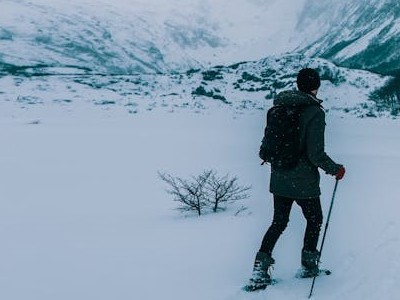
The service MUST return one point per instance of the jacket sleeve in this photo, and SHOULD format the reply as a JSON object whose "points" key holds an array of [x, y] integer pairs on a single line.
{"points": [[315, 144]]}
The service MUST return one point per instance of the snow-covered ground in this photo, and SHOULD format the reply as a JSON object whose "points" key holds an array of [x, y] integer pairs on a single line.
{"points": [[83, 214]]}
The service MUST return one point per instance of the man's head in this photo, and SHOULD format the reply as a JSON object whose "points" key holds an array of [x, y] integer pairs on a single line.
{"points": [[308, 80]]}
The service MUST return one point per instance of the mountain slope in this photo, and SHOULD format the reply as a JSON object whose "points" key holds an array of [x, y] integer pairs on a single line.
{"points": [[136, 36], [358, 34], [82, 35]]}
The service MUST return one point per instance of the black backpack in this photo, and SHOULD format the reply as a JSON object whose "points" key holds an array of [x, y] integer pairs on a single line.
{"points": [[280, 145]]}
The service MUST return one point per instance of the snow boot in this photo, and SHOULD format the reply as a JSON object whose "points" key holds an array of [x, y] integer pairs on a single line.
{"points": [[261, 277], [309, 262]]}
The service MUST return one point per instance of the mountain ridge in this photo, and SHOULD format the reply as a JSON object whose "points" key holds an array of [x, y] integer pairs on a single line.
{"points": [[135, 36], [360, 35]]}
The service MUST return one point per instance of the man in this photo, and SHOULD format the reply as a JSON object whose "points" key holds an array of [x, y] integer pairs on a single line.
{"points": [[299, 184]]}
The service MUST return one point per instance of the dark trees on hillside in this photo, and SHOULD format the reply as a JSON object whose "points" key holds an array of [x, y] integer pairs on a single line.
{"points": [[388, 97]]}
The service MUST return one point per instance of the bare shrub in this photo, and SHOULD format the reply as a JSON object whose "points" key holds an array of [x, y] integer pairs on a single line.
{"points": [[189, 193], [222, 190], [205, 191]]}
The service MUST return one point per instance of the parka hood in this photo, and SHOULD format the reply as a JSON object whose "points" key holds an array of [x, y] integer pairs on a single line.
{"points": [[296, 98]]}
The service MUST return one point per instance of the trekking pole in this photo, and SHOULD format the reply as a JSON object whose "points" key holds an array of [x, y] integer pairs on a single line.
{"points": [[323, 238]]}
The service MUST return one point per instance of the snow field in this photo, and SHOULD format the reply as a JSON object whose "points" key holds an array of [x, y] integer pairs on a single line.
{"points": [[84, 216]]}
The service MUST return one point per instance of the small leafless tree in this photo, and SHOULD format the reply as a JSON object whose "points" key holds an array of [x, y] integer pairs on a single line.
{"points": [[190, 193], [224, 189], [205, 190]]}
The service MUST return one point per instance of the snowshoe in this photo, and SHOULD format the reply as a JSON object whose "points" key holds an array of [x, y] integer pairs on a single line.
{"points": [[310, 273], [254, 286], [260, 278]]}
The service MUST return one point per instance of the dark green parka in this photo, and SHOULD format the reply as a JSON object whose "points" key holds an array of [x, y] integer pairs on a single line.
{"points": [[303, 180]]}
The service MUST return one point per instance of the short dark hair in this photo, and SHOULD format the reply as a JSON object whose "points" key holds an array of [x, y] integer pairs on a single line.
{"points": [[308, 80]]}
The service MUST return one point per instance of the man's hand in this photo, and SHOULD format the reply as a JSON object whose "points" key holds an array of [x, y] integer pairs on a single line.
{"points": [[340, 173]]}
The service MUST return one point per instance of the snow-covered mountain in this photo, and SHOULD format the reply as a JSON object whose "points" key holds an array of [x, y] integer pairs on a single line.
{"points": [[183, 40], [363, 34], [137, 36]]}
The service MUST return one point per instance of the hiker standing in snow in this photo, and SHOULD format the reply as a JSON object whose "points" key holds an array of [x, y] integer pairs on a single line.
{"points": [[298, 183]]}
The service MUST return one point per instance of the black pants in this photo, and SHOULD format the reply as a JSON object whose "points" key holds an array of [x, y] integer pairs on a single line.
{"points": [[312, 212]]}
